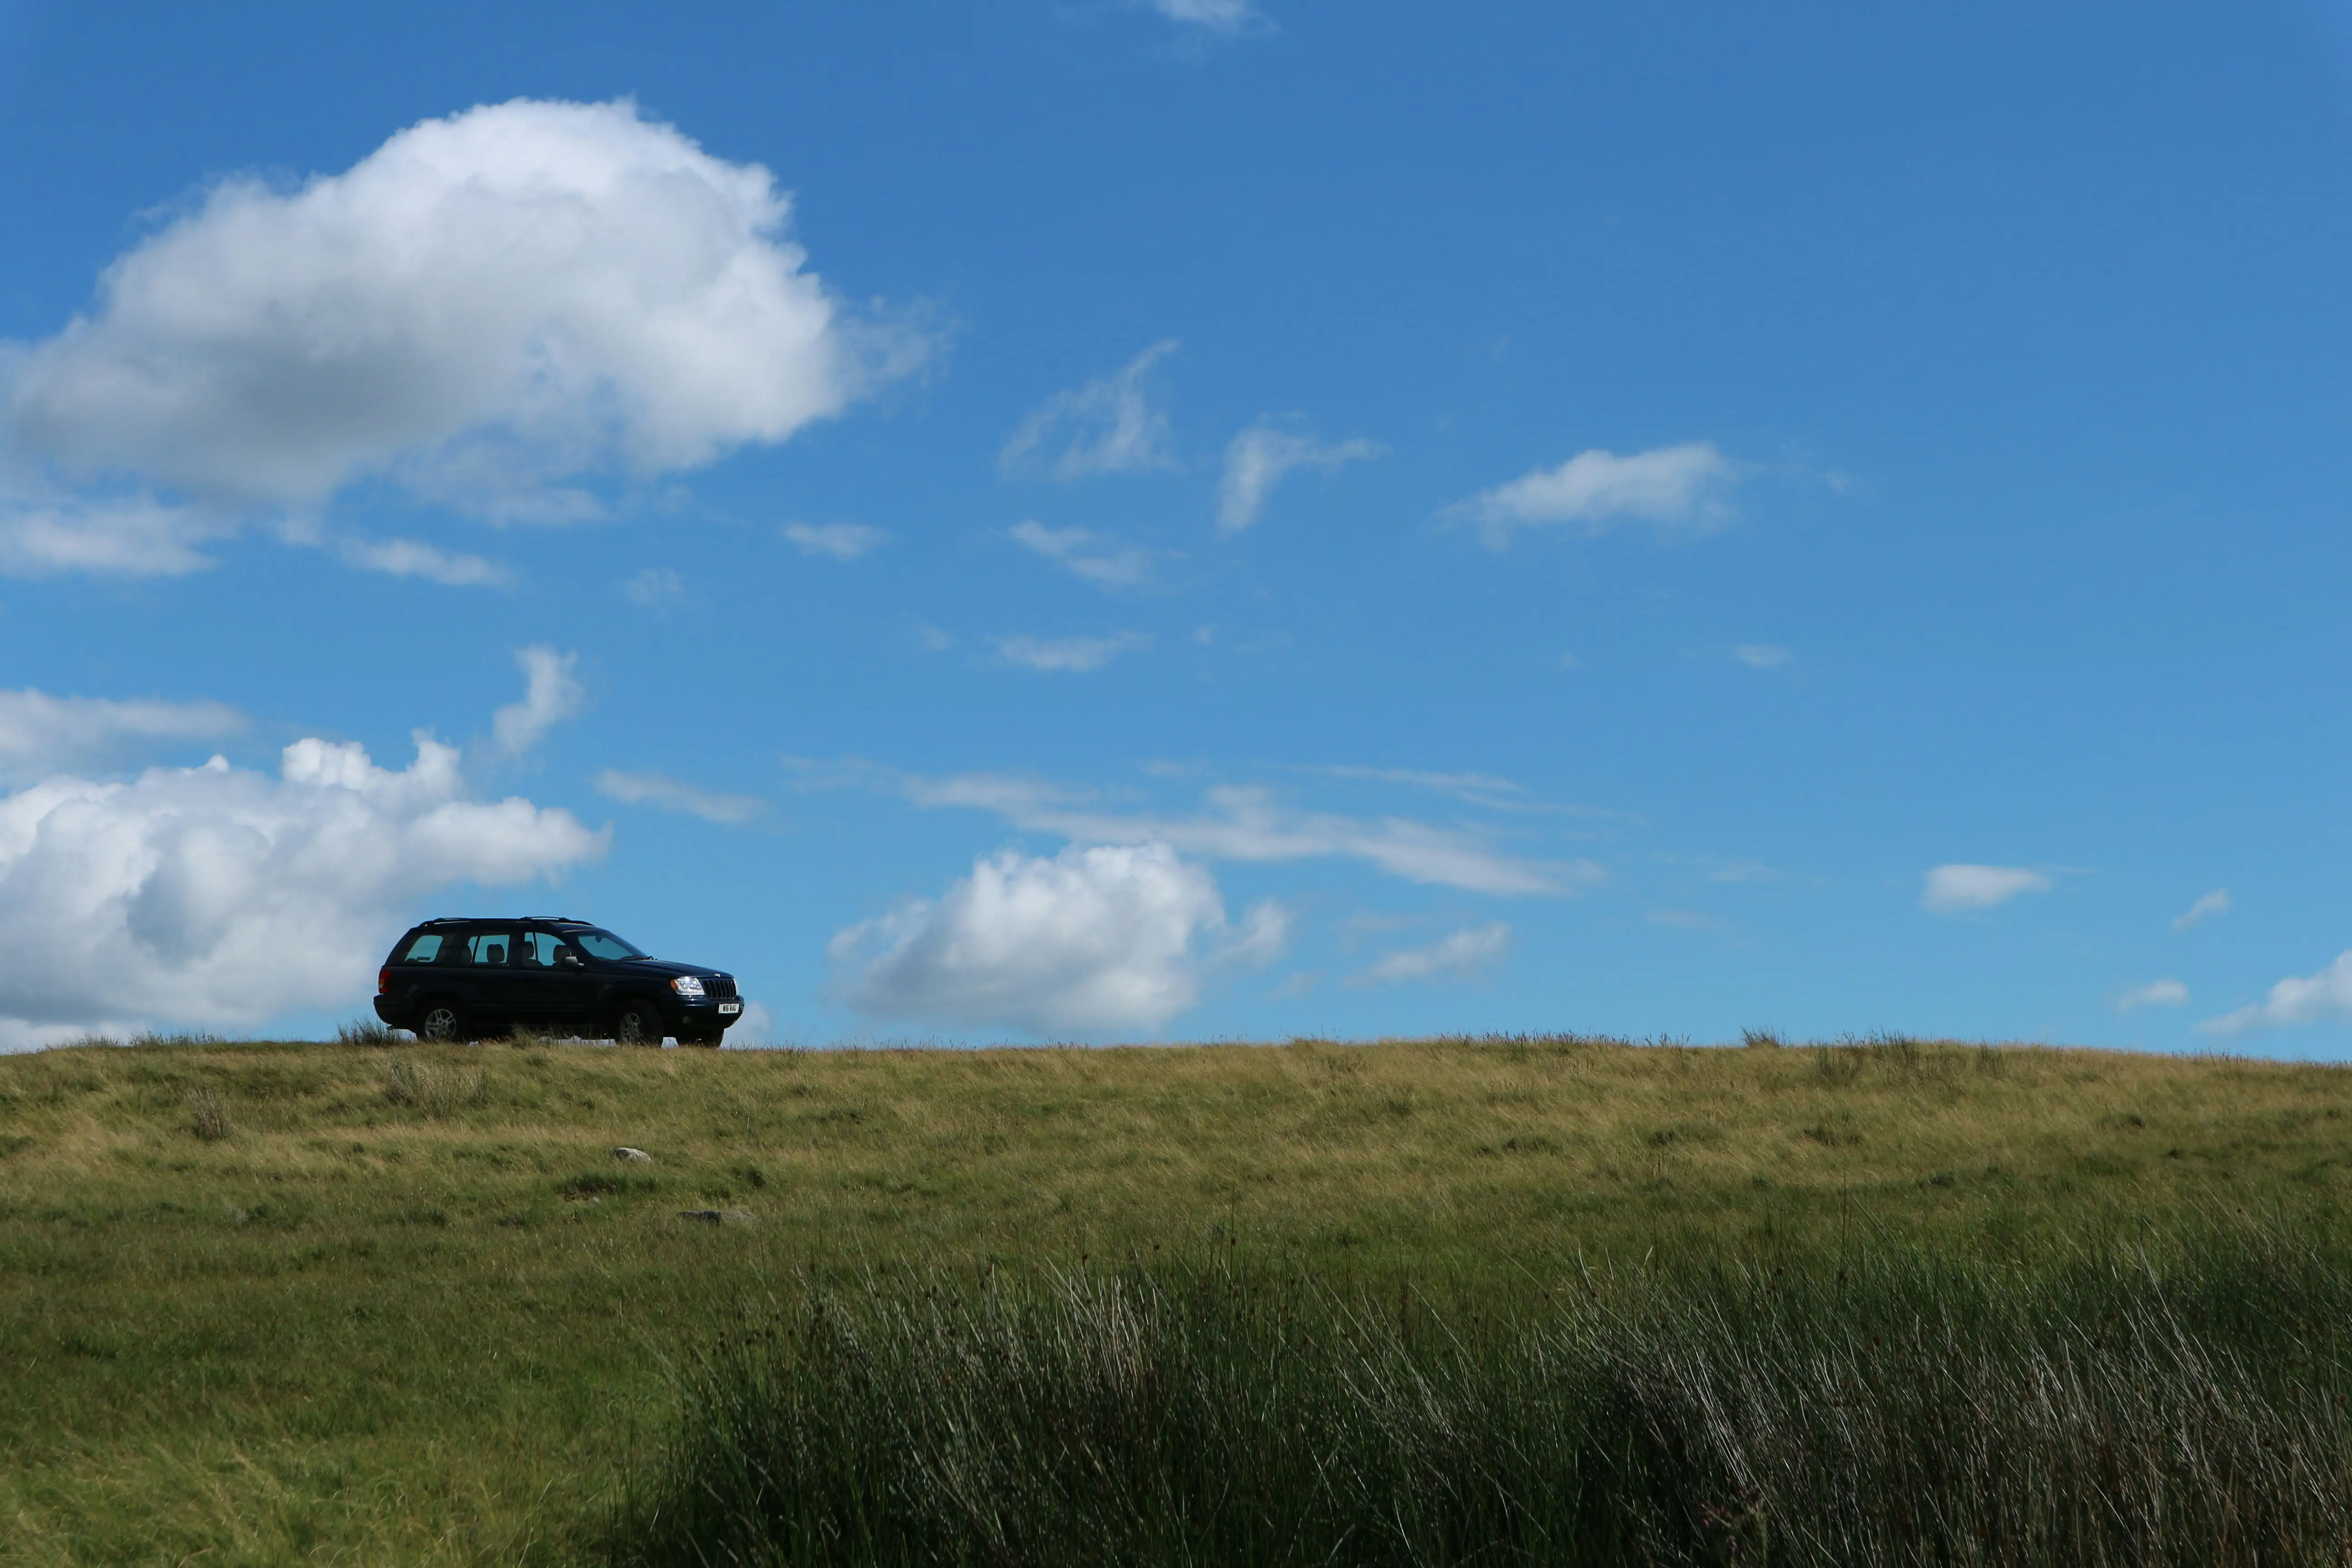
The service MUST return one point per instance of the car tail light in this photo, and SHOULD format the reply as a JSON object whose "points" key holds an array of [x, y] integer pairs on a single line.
{"points": [[383, 980]]}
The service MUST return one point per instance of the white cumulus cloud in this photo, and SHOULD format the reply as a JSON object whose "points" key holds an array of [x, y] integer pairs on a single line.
{"points": [[1107, 426], [40, 734], [834, 541], [1068, 655], [1682, 490], [550, 695], [490, 309], [2298, 999], [2206, 906], [1102, 561], [1258, 458], [1106, 938], [1963, 890], [2155, 994], [222, 896], [1464, 952], [666, 793]]}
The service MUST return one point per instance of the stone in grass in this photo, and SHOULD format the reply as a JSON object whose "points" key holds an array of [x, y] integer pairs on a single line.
{"points": [[716, 1217], [628, 1156]]}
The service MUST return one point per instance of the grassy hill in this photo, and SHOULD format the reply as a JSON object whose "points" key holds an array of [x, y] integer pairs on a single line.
{"points": [[297, 1302]]}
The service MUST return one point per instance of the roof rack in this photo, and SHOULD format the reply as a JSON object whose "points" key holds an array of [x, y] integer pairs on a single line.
{"points": [[468, 920]]}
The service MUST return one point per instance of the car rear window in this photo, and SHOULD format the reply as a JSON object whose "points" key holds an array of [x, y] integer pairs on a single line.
{"points": [[423, 949]]}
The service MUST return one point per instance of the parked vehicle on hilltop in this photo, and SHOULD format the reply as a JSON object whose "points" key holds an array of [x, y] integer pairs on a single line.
{"points": [[460, 979]]}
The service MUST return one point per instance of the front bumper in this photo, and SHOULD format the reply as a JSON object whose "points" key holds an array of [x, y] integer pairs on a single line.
{"points": [[710, 1013]]}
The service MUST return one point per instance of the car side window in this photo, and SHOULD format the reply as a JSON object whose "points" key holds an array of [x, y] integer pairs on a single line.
{"points": [[539, 949], [424, 950], [489, 946]]}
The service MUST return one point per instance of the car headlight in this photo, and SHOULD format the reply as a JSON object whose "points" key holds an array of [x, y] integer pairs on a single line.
{"points": [[687, 985]]}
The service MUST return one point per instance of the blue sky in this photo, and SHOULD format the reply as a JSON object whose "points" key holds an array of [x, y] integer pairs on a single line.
{"points": [[1198, 518]]}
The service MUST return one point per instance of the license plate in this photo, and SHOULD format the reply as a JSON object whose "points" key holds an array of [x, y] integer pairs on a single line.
{"points": [[730, 1007]]}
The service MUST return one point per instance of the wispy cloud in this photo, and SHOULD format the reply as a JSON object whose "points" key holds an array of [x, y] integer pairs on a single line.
{"points": [[1068, 656], [1464, 954], [2296, 1000], [40, 733], [1110, 426], [1226, 17], [409, 558], [1959, 890], [1258, 458], [834, 541], [655, 588], [1239, 823], [1682, 490], [1104, 561], [2155, 994], [124, 536], [666, 793], [2206, 906], [1763, 654], [550, 695], [1484, 791]]}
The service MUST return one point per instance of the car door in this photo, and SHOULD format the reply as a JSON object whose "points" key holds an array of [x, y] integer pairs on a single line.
{"points": [[498, 988], [546, 990]]}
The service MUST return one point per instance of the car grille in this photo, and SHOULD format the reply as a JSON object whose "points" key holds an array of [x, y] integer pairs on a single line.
{"points": [[722, 989]]}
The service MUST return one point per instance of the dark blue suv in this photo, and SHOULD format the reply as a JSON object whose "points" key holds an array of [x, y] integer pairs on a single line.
{"points": [[461, 979]]}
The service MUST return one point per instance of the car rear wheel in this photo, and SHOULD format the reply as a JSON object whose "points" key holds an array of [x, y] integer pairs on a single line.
{"points": [[440, 1023], [639, 1022]]}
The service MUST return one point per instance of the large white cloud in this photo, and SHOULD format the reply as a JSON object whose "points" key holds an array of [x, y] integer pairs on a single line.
{"points": [[220, 896], [1682, 490], [1112, 937], [484, 309]]}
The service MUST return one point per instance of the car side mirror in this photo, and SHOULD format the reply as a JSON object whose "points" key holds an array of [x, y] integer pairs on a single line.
{"points": [[568, 959]]}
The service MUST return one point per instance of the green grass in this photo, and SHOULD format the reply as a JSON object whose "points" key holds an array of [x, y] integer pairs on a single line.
{"points": [[273, 1303], [2144, 1408]]}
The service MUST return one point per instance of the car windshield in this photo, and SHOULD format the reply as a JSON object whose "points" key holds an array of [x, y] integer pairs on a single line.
{"points": [[602, 944]]}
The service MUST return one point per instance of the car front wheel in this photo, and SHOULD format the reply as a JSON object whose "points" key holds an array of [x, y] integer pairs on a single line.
{"points": [[639, 1023]]}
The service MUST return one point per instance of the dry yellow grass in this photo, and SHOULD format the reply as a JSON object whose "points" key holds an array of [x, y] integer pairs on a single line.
{"points": [[402, 1304]]}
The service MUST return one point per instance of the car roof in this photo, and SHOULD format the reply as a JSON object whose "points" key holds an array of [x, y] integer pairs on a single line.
{"points": [[502, 921]]}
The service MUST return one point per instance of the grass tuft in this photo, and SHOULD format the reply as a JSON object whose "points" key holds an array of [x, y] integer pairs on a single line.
{"points": [[210, 1119], [435, 1090]]}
